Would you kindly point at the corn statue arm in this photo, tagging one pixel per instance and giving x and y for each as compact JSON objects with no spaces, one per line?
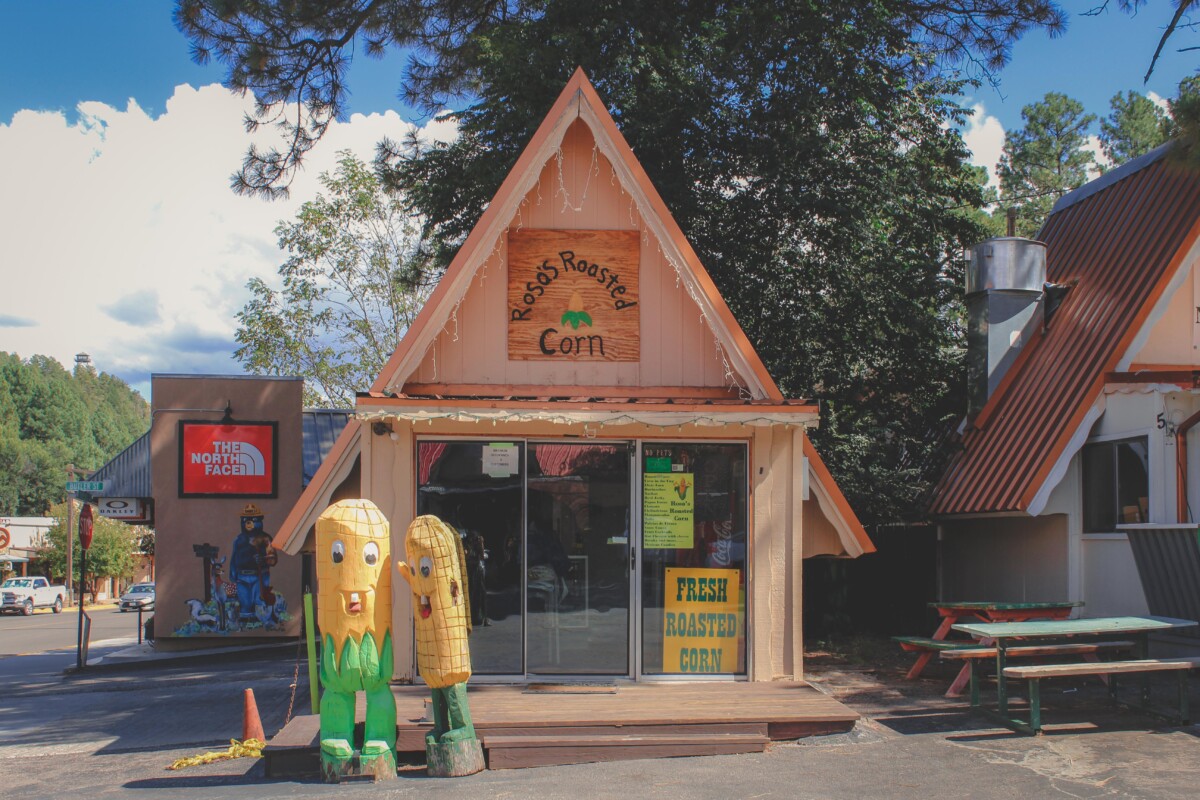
{"x":354,"y":614}
{"x":435,"y":572}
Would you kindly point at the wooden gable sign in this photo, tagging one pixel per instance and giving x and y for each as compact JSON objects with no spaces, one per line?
{"x":573,"y":295}
{"x":599,"y":290}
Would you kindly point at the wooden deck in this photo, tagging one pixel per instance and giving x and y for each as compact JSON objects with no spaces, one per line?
{"x":569,"y":724}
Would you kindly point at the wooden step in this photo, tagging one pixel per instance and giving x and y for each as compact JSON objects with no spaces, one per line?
{"x":514,"y":752}
{"x":294,"y":751}
{"x":412,"y":740}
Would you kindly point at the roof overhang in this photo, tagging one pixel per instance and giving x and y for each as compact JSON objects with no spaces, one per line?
{"x":606,"y":412}
{"x":315,"y":497}
{"x":835,"y":507}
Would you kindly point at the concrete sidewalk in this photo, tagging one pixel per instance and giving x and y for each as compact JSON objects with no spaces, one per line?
{"x":131,"y":654}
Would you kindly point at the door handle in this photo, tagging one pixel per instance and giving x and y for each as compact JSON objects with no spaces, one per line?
{"x":632,"y":558}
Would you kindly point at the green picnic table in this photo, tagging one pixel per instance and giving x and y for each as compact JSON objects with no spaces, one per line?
{"x":1005,"y":634}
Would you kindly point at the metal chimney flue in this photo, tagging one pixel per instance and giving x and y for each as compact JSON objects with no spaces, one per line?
{"x":1005,"y":281}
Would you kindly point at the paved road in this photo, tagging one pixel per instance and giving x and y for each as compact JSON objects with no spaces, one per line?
{"x":46,"y":630}
{"x":112,"y":734}
{"x":44,"y":713}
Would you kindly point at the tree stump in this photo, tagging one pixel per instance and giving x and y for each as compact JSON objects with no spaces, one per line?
{"x":381,"y":767}
{"x":454,"y":759}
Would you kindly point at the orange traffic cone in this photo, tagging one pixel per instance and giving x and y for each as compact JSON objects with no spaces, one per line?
{"x":251,"y":725}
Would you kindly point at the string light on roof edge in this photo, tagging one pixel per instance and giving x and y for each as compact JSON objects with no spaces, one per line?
{"x":534,"y":417}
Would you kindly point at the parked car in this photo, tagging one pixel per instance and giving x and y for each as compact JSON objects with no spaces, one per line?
{"x":25,"y":594}
{"x":140,"y":595}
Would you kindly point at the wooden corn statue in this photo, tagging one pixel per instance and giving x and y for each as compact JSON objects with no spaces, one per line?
{"x":354,"y":613}
{"x":437,"y":575}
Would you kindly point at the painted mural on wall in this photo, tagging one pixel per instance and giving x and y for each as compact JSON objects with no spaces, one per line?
{"x":237,"y":593}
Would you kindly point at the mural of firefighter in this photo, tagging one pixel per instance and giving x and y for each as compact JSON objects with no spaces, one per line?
{"x":237,"y":587}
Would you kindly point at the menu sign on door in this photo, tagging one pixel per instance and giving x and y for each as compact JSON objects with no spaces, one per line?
{"x":573,"y":295}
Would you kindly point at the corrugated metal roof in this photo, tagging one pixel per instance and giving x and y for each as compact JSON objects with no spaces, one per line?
{"x":321,"y":429}
{"x":1119,"y":246}
{"x":128,"y":473}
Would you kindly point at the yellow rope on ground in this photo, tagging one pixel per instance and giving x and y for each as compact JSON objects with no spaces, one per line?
{"x":251,"y":748}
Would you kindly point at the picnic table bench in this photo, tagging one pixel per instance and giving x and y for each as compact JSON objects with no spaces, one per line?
{"x":1181,"y":667}
{"x":1090,"y":652}
{"x":1138,"y":627}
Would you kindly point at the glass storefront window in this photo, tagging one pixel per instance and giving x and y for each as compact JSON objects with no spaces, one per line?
{"x":577,"y":567}
{"x":693,"y":549}
{"x":546,"y":532}
{"x":478,"y":488}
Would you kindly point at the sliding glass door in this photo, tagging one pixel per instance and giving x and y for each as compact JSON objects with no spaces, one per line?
{"x":546,"y":532}
{"x":577,"y":559}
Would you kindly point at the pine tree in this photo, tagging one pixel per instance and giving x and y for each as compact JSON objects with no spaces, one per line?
{"x":50,"y":418}
{"x":1135,"y":126}
{"x":1045,"y":159}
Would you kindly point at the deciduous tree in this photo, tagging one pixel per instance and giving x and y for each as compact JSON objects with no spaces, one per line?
{"x":352,"y":283}
{"x":112,"y":554}
{"x":49,"y":418}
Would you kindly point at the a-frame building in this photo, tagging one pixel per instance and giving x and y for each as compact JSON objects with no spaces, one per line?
{"x":577,"y":399}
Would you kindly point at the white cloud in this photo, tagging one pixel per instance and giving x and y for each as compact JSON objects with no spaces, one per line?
{"x":1159,"y":101}
{"x":124,"y":240}
{"x":1093,"y":145}
{"x":984,"y":137}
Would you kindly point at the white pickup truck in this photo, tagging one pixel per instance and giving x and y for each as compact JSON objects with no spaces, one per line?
{"x":26,"y":594}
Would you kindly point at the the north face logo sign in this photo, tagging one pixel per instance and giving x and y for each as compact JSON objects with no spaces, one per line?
{"x":232,"y":458}
{"x":227,"y":459}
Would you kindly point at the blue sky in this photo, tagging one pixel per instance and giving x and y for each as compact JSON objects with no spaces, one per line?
{"x":115,"y":152}
{"x":113,"y":50}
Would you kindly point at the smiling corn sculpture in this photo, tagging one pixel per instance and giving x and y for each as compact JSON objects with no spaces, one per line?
{"x":442,"y":615}
{"x":355,"y":617}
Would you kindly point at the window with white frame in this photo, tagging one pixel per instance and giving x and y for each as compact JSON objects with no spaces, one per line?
{"x":1116,"y":483}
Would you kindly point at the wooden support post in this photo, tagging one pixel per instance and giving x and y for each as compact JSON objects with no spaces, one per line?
{"x":314,"y":695}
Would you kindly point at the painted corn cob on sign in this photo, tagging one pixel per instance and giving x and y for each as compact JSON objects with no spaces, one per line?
{"x":573,"y":295}
{"x":436,"y":573}
{"x":354,"y":612}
